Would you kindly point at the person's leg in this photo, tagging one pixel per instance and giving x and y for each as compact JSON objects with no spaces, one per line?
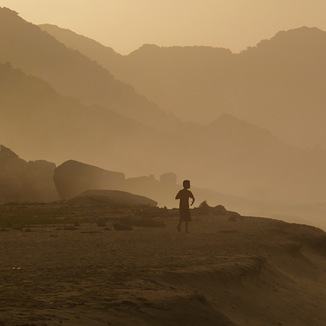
{"x":187,"y":226}
{"x":179,"y":226}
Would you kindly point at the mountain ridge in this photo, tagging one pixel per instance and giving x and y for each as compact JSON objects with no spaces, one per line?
{"x":71,"y":73}
{"x":278,"y":84}
{"x":230,"y":158}
{"x":249,"y":163}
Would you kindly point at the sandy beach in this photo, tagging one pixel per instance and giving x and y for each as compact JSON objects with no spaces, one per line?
{"x":252,"y":271}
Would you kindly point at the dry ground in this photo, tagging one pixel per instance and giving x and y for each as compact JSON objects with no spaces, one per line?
{"x":251,"y":271}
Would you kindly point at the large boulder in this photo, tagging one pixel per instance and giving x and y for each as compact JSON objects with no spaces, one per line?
{"x":111,"y":198}
{"x":72,"y":178}
{"x":162,"y":190}
{"x":22,"y":181}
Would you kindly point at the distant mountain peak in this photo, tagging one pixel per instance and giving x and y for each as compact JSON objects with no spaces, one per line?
{"x":302,"y":29}
{"x":7,"y":11}
{"x":73,"y":74}
{"x":303,"y":33}
{"x":151,"y":49}
{"x":301,"y":37}
{"x":6,"y":152}
{"x":148,"y":46}
{"x":65,"y":35}
{"x":146,"y":49}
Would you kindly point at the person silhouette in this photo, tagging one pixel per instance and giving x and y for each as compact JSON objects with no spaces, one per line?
{"x":183,"y":195}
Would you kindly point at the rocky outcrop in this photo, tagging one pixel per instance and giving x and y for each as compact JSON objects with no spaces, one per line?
{"x":162,"y":190}
{"x":22,"y":181}
{"x":72,"y":178}
{"x":111,"y":198}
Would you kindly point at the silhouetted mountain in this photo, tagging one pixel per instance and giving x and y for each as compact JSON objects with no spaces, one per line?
{"x":279,"y":84}
{"x":85,"y":45}
{"x":37,"y":121}
{"x":252,"y":162}
{"x":36,"y":52}
{"x":228,"y":155}
{"x":282,"y":85}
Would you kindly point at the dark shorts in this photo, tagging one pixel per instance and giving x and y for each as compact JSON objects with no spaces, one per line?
{"x":185,"y":215}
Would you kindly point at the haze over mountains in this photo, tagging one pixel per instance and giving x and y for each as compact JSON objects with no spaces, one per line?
{"x":279,"y":84}
{"x":70,"y":73}
{"x":94,"y":147}
{"x":57,"y":104}
{"x":238,"y":157}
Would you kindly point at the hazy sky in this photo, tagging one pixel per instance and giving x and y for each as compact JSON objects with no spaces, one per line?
{"x":125,"y":25}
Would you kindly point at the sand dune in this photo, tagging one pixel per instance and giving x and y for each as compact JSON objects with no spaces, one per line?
{"x":252,"y":271}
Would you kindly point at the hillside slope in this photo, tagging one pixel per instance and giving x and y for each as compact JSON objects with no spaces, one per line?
{"x":72,"y":74}
{"x":279,"y":84}
{"x":229,"y":155}
{"x":38,"y":122}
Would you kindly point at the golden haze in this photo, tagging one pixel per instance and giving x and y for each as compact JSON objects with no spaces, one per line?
{"x":126,"y":25}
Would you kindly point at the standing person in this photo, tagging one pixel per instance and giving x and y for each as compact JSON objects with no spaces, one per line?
{"x":184,"y":195}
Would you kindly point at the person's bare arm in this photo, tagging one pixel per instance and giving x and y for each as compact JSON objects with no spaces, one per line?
{"x":192,"y":200}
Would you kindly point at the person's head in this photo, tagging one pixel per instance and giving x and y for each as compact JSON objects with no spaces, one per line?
{"x":186,"y":184}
